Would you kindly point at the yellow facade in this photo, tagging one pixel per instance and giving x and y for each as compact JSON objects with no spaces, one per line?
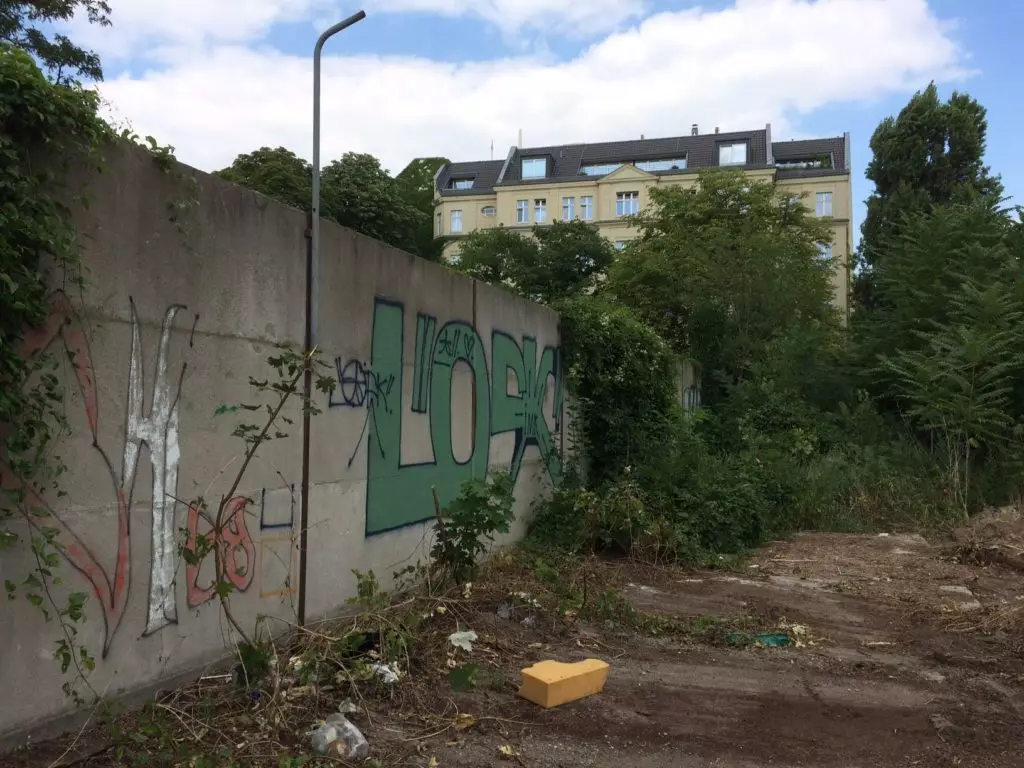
{"x":603,"y":191}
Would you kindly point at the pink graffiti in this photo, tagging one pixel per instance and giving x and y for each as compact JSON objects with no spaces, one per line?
{"x":234,"y":540}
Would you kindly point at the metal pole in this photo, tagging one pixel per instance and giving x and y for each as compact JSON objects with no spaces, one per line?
{"x":313,"y":306}
{"x":314,"y":279}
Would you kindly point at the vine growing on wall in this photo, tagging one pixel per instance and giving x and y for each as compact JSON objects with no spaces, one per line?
{"x":44,"y":128}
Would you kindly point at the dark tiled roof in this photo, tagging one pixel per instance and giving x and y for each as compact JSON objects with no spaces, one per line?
{"x":484,"y":173}
{"x":806,"y":149}
{"x":565,"y":160}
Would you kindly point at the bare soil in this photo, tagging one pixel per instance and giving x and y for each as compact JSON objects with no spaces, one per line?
{"x":906,"y":653}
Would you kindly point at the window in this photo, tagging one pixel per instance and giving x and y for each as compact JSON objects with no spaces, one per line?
{"x":456,"y":221}
{"x":522,"y":211}
{"x":587,"y":208}
{"x":804,"y":164}
{"x":734,"y":153}
{"x":627,"y":203}
{"x":460,"y":184}
{"x":439,"y":225}
{"x":600,"y":169}
{"x":824,"y":251}
{"x":535,"y":168}
{"x":568,"y":208}
{"x":489,"y":210}
{"x":620,"y":244}
{"x":540,"y":211}
{"x":661,"y":165}
{"x":823,"y":204}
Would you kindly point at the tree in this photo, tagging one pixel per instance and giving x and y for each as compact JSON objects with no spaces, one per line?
{"x":560,"y":260}
{"x":358,"y":193}
{"x":416,"y":182}
{"x":355,"y":192}
{"x":23,"y":24}
{"x":492,"y":255}
{"x":277,"y":173}
{"x":720,"y":269}
{"x":930,"y":154}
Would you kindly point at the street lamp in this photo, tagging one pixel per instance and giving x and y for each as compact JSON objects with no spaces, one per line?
{"x":314,"y":277}
{"x":313,"y":315}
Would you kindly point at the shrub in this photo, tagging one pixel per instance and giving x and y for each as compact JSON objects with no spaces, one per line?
{"x":482,"y":509}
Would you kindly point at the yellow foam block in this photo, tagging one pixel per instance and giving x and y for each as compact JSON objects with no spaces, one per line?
{"x":551,"y":683}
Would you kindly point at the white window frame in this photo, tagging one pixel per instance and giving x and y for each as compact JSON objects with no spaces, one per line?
{"x":728,"y":150}
{"x":627,"y":203}
{"x":540,"y":210}
{"x":600,"y":169}
{"x":568,"y":208}
{"x":522,"y":211}
{"x":439,"y":226}
{"x":462,"y":184}
{"x":666,"y":164}
{"x":456,"y":221}
{"x":533,"y":163}
{"x":823,"y":204}
{"x":587,"y":207}
{"x":489,"y":211}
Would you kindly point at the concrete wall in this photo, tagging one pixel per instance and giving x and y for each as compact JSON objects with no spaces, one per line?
{"x":440,"y":378}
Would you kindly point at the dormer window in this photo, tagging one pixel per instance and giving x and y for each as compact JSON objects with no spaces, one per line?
{"x":670,"y":164}
{"x":460,"y":184}
{"x":535,"y":167}
{"x":805,"y":163}
{"x":732,"y":153}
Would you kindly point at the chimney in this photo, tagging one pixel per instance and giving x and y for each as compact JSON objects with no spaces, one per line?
{"x":716,"y":129}
{"x":641,"y":137}
{"x":693,"y":129}
{"x":520,"y":144}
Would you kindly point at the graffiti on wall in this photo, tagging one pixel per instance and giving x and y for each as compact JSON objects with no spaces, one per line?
{"x":392,"y":484}
{"x":157,"y":431}
{"x":236,"y":560}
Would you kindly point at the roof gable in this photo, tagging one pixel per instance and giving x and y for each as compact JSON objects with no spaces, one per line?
{"x":625,"y":173}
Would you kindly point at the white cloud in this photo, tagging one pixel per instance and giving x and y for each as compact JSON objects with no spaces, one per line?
{"x":576,"y":17}
{"x":758,"y":61}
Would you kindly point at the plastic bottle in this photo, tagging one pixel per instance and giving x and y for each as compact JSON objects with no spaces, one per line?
{"x":338,"y":737}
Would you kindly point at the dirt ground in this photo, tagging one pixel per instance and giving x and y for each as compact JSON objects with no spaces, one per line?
{"x":902,"y":653}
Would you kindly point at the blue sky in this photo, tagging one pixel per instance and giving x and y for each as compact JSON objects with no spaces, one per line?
{"x":446,"y":77}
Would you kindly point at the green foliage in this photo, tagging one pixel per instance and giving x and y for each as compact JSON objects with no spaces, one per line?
{"x":559,"y":261}
{"x":481,"y":510}
{"x":355,"y":191}
{"x":720,"y":269}
{"x":930,"y":154}
{"x":416,"y":182}
{"x":277,"y":173}
{"x":622,"y":376}
{"x":27,"y":24}
{"x":37,"y":243}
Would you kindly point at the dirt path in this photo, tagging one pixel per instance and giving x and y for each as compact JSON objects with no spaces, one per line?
{"x":901,"y":653}
{"x":891,"y":673}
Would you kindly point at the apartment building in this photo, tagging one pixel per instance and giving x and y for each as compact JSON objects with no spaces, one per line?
{"x":606,"y":182}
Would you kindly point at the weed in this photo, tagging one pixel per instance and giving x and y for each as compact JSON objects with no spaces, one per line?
{"x":482,"y":509}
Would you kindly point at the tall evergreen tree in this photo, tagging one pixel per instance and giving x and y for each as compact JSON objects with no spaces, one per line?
{"x":930,"y":154}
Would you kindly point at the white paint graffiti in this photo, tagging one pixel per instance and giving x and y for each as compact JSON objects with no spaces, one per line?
{"x":159,"y":432}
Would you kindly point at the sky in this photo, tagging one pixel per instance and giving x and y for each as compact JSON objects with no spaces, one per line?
{"x":216,"y":78}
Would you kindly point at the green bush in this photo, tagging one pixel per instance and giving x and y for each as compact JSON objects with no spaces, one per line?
{"x":481,"y":510}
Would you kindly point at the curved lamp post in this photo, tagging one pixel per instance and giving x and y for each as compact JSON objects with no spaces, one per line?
{"x":313,"y":316}
{"x":314,"y":277}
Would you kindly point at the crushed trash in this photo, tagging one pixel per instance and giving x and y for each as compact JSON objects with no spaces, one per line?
{"x":773,"y":639}
{"x":463,"y":640}
{"x":388,"y":673}
{"x":505,"y":611}
{"x":529,"y":622}
{"x":337,"y":737}
{"x":348,"y":707}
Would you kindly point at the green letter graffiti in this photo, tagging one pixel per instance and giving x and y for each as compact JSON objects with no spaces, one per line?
{"x":398,"y":494}
{"x":524,"y":413}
